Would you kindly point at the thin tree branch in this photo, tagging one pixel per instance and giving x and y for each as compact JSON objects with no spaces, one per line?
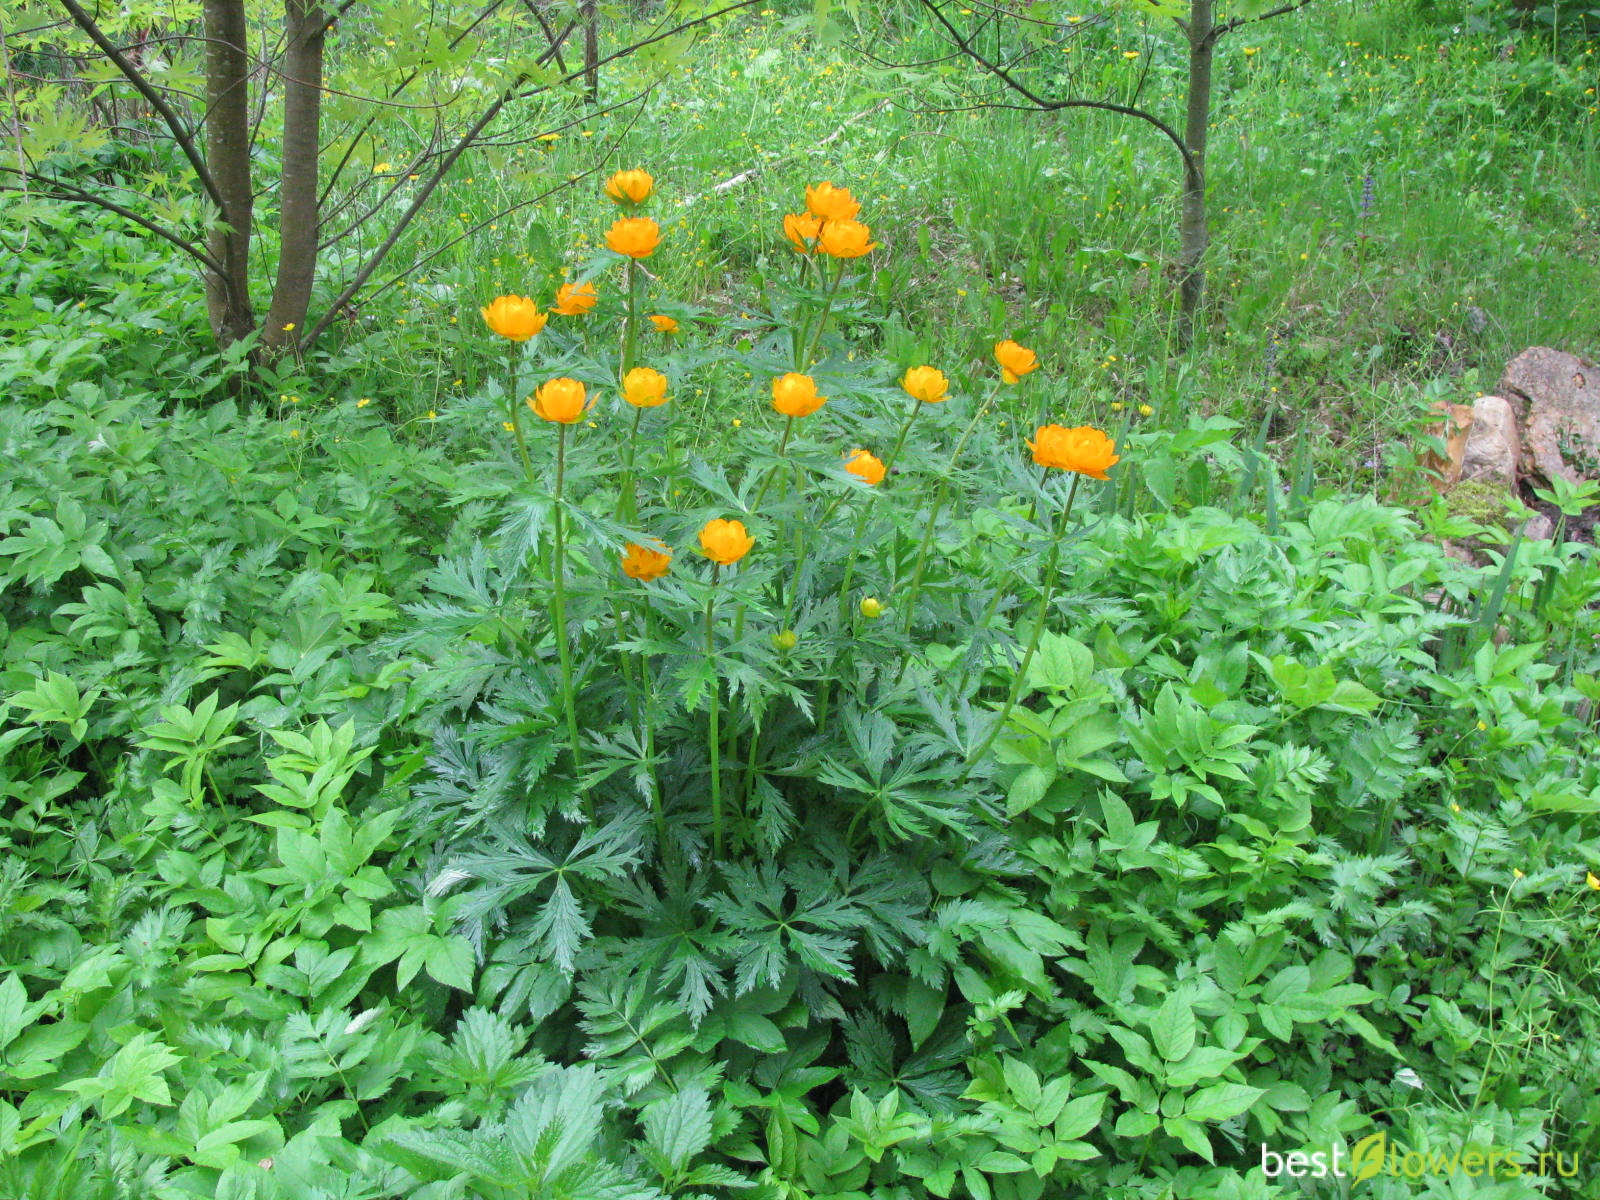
{"x":1190,"y":166}
{"x":1230,"y":26}
{"x":180,"y":133}
{"x":372,"y":264}
{"x":57,"y":189}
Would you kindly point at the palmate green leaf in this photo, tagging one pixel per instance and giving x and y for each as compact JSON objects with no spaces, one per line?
{"x":518,"y":869}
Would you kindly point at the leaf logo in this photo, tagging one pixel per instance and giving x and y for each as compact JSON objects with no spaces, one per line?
{"x":1368,"y":1155}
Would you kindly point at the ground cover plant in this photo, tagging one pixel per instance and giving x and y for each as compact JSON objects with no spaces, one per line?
{"x":793,"y":690}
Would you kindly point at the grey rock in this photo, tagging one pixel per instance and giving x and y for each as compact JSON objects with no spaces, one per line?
{"x":1560,"y":397}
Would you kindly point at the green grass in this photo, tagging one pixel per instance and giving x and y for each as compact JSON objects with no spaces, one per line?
{"x":1482,"y":237}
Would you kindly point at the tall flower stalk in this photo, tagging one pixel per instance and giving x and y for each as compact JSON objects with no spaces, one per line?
{"x":563,"y":402}
{"x":1082,"y":451}
{"x":724,"y":543}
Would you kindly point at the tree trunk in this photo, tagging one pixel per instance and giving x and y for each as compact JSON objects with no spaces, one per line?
{"x":227,"y":133}
{"x":298,"y":222}
{"x":1192,"y":230}
{"x":591,"y":51}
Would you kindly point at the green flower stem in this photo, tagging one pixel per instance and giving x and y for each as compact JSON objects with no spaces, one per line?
{"x":916,"y":407}
{"x":513,"y":409}
{"x":628,"y":500}
{"x":822,"y":321}
{"x":716,"y":732}
{"x":994,"y":601}
{"x":844,"y":617}
{"x":558,"y":582}
{"x":938,"y":507}
{"x":1045,"y":597}
{"x":650,"y":737}
{"x":630,"y":323}
{"x":755,"y":507}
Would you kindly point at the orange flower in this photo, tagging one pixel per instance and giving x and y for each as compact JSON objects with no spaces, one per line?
{"x":1085,"y":450}
{"x":802,"y":230}
{"x":574,"y":299}
{"x":1015,"y":361}
{"x":637,"y":237}
{"x":846,"y":239}
{"x":927,"y":384}
{"x":865,"y":465}
{"x":644,"y":387}
{"x":515,"y":318}
{"x":630,"y":187}
{"x":795,"y":395}
{"x":641,"y":562}
{"x":664,"y":323}
{"x":560,"y":400}
{"x":725,"y":542}
{"x":831,"y":203}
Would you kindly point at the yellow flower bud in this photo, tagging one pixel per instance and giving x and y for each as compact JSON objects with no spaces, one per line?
{"x":870,"y":607}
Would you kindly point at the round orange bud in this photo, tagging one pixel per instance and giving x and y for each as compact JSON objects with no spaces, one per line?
{"x":795,"y":395}
{"x":637,"y":237}
{"x":560,"y":400}
{"x":630,"y":187}
{"x":865,"y":465}
{"x":725,"y":542}
{"x":644,"y":387}
{"x":926,"y":384}
{"x":574,"y":299}
{"x":645,"y":563}
{"x":515,"y":318}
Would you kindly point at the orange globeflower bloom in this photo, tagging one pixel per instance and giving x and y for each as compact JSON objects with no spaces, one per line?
{"x":795,"y":395}
{"x":560,"y":400}
{"x":1085,"y":450}
{"x":1015,"y":361}
{"x":637,"y":237}
{"x":865,"y":465}
{"x":802,"y":230}
{"x":630,"y":187}
{"x":644,"y":387}
{"x":927,"y":384}
{"x":574,"y":299}
{"x":725,"y":542}
{"x":516,"y":318}
{"x":846,"y":239}
{"x":831,"y":203}
{"x":664,"y":323}
{"x":641,"y":562}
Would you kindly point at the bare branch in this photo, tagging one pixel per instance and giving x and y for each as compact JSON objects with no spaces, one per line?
{"x":1191,"y":168}
{"x":60,"y":189}
{"x":180,"y":132}
{"x":1229,"y":26}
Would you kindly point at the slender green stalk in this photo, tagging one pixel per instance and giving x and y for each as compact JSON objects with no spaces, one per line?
{"x":1045,"y":597}
{"x":844,"y":616}
{"x":630,"y":323}
{"x":650,"y":737}
{"x":558,"y":583}
{"x":822,"y":321}
{"x":905,"y":428}
{"x":627,"y":499}
{"x":938,"y":507}
{"x":716,"y":732}
{"x":514,"y":410}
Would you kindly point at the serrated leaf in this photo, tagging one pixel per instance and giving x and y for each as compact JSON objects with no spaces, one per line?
{"x":679,"y":1127}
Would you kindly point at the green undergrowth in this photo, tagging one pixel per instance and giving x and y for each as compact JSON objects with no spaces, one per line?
{"x":985,"y":833}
